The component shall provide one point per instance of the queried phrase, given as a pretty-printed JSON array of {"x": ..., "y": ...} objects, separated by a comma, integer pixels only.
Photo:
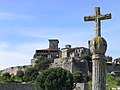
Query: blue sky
[{"x": 26, "y": 25}]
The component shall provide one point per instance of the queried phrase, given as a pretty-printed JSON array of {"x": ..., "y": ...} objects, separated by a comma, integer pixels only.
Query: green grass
[{"x": 111, "y": 82}]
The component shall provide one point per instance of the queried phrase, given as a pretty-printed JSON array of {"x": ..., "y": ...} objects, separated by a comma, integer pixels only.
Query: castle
[
  {"x": 49, "y": 53},
  {"x": 62, "y": 57},
  {"x": 72, "y": 59}
]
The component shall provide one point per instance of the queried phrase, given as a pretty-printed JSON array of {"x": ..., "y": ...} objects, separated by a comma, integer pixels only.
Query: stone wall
[
  {"x": 110, "y": 67},
  {"x": 63, "y": 63},
  {"x": 13, "y": 70},
  {"x": 72, "y": 64},
  {"x": 11, "y": 86},
  {"x": 17, "y": 86}
]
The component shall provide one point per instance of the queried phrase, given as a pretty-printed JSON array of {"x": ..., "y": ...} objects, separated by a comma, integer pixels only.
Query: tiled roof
[{"x": 49, "y": 49}]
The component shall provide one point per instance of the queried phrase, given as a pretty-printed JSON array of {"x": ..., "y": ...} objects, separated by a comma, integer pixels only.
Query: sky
[{"x": 26, "y": 26}]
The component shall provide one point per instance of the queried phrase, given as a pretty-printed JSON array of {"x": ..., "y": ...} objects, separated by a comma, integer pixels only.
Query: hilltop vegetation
[
  {"x": 111, "y": 82},
  {"x": 54, "y": 77}
]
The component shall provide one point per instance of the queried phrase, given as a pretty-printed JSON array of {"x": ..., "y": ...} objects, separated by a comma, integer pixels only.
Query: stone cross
[
  {"x": 98, "y": 47},
  {"x": 97, "y": 17}
]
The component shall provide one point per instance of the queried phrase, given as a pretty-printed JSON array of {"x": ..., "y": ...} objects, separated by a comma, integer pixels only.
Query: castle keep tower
[
  {"x": 98, "y": 47},
  {"x": 48, "y": 53},
  {"x": 53, "y": 43}
]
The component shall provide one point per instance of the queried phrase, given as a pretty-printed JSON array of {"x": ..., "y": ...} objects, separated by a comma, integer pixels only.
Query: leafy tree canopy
[
  {"x": 109, "y": 58},
  {"x": 86, "y": 58},
  {"x": 42, "y": 64},
  {"x": 31, "y": 74},
  {"x": 55, "y": 79},
  {"x": 6, "y": 75},
  {"x": 20, "y": 73},
  {"x": 78, "y": 77}
]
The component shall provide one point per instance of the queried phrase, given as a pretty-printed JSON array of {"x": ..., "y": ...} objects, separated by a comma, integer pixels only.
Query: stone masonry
[{"x": 14, "y": 86}]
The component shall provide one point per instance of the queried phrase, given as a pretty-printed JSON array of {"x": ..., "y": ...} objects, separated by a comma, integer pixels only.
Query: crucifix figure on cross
[{"x": 97, "y": 17}]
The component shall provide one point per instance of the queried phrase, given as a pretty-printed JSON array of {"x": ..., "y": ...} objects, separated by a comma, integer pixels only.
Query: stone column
[
  {"x": 99, "y": 72},
  {"x": 98, "y": 48}
]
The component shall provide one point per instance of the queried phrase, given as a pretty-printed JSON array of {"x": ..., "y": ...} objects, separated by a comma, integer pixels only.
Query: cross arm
[
  {"x": 105, "y": 16},
  {"x": 89, "y": 18}
]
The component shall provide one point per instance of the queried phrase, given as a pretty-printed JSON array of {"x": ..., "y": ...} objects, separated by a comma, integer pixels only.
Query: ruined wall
[
  {"x": 17, "y": 86},
  {"x": 13, "y": 70},
  {"x": 81, "y": 65},
  {"x": 63, "y": 63},
  {"x": 73, "y": 65}
]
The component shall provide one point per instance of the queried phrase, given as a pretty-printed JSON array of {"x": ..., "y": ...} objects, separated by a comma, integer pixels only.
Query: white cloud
[
  {"x": 12, "y": 16},
  {"x": 11, "y": 58},
  {"x": 18, "y": 54},
  {"x": 22, "y": 53}
]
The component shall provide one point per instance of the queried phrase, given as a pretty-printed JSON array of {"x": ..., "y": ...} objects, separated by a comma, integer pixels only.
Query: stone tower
[
  {"x": 53, "y": 43},
  {"x": 98, "y": 47}
]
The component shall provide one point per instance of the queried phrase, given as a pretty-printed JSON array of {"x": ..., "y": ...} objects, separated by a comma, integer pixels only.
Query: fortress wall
[{"x": 14, "y": 86}]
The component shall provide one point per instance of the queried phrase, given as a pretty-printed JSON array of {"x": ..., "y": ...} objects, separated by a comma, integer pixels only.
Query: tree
[
  {"x": 78, "y": 77},
  {"x": 54, "y": 79},
  {"x": 20, "y": 74},
  {"x": 42, "y": 64},
  {"x": 109, "y": 58},
  {"x": 6, "y": 75},
  {"x": 88, "y": 58},
  {"x": 118, "y": 81},
  {"x": 31, "y": 74},
  {"x": 117, "y": 59}
]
